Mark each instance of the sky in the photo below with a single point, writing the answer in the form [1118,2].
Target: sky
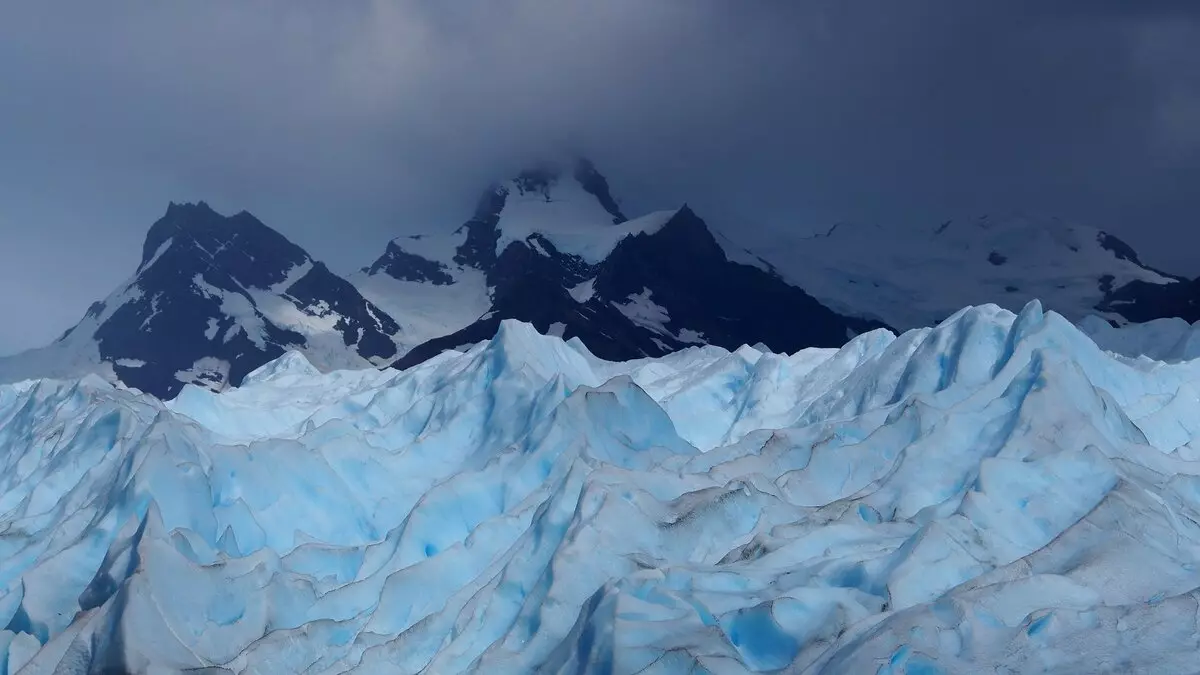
[345,124]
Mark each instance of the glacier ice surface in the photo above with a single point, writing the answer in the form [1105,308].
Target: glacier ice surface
[995,494]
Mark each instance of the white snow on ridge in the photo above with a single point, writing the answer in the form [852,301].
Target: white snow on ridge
[296,273]
[993,494]
[567,215]
[162,248]
[436,247]
[572,220]
[324,346]
[424,310]
[591,239]
[898,275]
[737,254]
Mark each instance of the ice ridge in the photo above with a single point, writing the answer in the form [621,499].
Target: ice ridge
[995,493]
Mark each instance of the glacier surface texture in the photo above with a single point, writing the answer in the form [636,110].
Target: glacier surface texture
[996,494]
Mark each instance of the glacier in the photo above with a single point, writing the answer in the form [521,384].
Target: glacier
[993,494]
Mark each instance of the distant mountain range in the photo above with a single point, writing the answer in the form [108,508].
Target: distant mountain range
[552,248]
[217,296]
[910,278]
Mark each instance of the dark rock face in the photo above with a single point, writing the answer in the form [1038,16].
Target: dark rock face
[680,274]
[240,245]
[195,301]
[201,304]
[597,186]
[1139,301]
[688,274]
[215,297]
[178,317]
[479,248]
[1118,248]
[654,293]
[400,264]
[360,323]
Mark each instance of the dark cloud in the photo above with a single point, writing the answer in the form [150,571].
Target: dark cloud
[344,124]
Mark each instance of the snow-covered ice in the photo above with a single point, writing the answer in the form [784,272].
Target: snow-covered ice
[1161,339]
[995,494]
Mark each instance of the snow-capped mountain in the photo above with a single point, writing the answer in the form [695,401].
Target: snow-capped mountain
[552,248]
[995,494]
[214,298]
[908,278]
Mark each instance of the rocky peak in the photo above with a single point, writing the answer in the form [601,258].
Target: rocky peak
[194,236]
[543,177]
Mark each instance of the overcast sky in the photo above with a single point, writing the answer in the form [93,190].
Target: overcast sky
[344,124]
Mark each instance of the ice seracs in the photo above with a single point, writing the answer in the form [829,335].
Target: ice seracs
[1160,339]
[996,492]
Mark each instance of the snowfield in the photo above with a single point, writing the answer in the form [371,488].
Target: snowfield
[996,494]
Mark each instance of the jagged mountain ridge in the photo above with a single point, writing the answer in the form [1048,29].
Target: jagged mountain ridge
[213,298]
[552,248]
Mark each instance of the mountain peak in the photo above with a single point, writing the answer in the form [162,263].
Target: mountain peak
[214,298]
[545,177]
[240,243]
[174,207]
[178,217]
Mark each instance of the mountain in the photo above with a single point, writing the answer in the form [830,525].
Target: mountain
[213,298]
[907,278]
[552,247]
[995,494]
